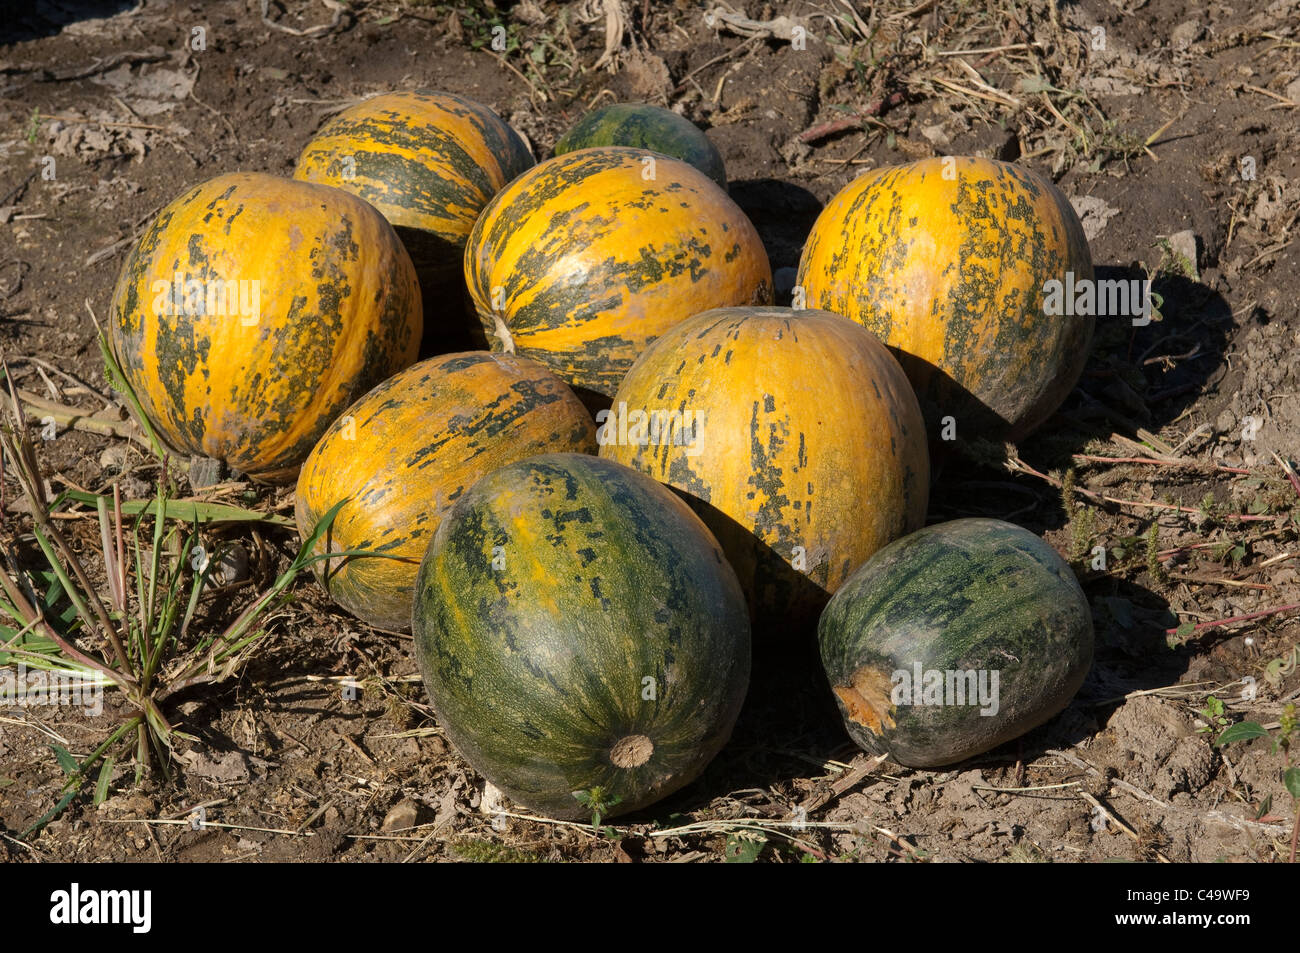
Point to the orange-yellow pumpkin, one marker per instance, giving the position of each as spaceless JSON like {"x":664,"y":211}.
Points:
{"x":796,"y":432}
{"x":946,"y":260}
{"x":586,"y":258}
{"x":405,"y":453}
{"x":429,"y":161}
{"x":253,"y":310}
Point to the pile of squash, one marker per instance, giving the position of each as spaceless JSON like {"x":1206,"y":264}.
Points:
{"x":586,"y":459}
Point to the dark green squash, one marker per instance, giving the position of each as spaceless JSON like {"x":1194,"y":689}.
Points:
{"x":969,"y":596}
{"x":579,"y":630}
{"x":642,"y":126}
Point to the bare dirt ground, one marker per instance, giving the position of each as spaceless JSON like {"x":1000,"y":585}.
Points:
{"x":1157,"y":117}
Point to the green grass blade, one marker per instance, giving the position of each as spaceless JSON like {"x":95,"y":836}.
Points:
{"x":105,"y":776}
{"x":117,"y":380}
{"x":185,"y":511}
{"x":49,"y":815}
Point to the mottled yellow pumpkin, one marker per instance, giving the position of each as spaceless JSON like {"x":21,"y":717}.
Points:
{"x":946,"y":261}
{"x":405,"y":453}
{"x":796,"y":432}
{"x":429,"y":161}
{"x":253,"y":310}
{"x":586,"y":258}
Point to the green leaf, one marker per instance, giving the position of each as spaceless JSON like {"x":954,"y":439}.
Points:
{"x":321,"y":528}
{"x":1291,"y":778}
{"x":105,"y":775}
{"x":1186,"y":629}
{"x":1242,"y":731}
{"x":743,"y":849}
{"x":66,"y":761}
{"x":50,"y":815}
{"x":186,"y":511}
{"x":1264,"y":807}
{"x":117,"y":380}
{"x":1121,"y":610}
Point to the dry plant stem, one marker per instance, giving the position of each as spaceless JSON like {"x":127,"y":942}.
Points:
{"x":1191,"y":464}
{"x":100,"y":122}
{"x":87,"y":423}
{"x":1290,"y":473}
{"x":850,"y":779}
{"x":73,"y":378}
{"x":1017,"y":465}
{"x":854,"y":121}
{"x":1212,"y":580}
{"x":1239,"y":618}
{"x":1295,"y":832}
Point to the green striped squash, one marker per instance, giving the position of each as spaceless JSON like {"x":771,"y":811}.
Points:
{"x":579,"y":630}
{"x":969,"y":596}
{"x":642,"y":126}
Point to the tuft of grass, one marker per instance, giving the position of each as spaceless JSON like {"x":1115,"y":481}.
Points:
{"x":1027,"y":853}
{"x":1082,"y":519}
{"x":488,"y":852}
{"x":138,"y":634}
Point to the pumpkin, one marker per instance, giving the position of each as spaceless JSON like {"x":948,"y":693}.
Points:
{"x":796,"y":432}
{"x":946,"y":260}
{"x":588,"y":257}
{"x":253,"y":310}
{"x":954,"y":640}
{"x":580,"y":633}
{"x":429,"y":161}
{"x":641,"y":126}
{"x":406,"y":451}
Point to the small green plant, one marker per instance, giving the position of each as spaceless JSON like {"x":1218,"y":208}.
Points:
{"x":1208,"y":510}
{"x":1152,"y":540}
{"x":1276,"y":671}
{"x":598,"y":801}
{"x":1233,"y":552}
{"x":744,"y":846}
{"x":1282,"y":744}
{"x":1175,"y":263}
{"x":33,"y":126}
{"x":1214,"y":716}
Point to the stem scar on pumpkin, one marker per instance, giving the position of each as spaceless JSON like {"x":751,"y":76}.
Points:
{"x":631,"y":751}
{"x":503,"y":333}
{"x":867,"y":699}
